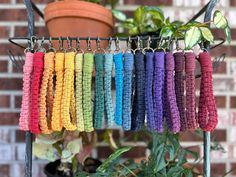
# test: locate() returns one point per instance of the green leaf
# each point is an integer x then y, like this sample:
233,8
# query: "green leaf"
139,15
192,37
188,173
166,32
219,20
66,156
158,157
111,158
228,34
49,139
119,15
175,171
44,151
206,33
74,146
181,157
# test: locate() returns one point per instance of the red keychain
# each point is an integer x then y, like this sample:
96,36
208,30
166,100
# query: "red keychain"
207,111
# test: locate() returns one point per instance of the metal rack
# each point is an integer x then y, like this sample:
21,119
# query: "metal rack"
30,6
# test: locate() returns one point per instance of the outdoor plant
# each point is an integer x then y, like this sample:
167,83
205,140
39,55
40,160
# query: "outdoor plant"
148,19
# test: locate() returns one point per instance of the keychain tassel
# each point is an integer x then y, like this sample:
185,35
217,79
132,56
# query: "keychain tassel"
46,93
36,82
190,91
158,90
127,94
207,111
109,110
87,93
25,105
78,90
149,90
118,60
56,122
179,88
99,92
173,118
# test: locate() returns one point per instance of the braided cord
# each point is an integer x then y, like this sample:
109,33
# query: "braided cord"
138,112
56,122
36,81
207,111
67,91
173,119
158,90
149,90
127,91
87,95
190,91
108,95
99,92
45,114
118,60
179,88
25,105
78,91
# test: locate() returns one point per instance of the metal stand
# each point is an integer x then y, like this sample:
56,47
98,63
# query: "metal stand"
28,136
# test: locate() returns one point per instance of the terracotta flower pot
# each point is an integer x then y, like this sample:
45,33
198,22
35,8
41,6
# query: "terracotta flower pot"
76,18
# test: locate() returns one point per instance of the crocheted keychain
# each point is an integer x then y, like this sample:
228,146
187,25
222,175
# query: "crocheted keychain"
138,111
180,88
99,92
26,97
190,91
46,93
118,60
78,91
68,98
109,110
87,87
38,63
56,121
207,111
158,90
151,123
127,90
170,106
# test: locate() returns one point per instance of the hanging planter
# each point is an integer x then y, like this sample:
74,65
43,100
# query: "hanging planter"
78,18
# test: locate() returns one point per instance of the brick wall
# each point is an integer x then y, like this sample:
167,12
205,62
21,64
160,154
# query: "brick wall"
13,23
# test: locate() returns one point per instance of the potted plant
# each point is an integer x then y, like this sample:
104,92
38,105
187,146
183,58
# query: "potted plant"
79,18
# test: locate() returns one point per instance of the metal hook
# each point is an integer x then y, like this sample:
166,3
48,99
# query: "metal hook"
40,45
78,45
148,45
109,44
69,43
129,42
61,44
117,44
89,44
98,41
50,46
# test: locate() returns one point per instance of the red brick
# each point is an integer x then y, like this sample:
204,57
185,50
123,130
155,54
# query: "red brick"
16,50
233,166
4,31
233,102
100,134
18,101
3,66
23,31
229,50
219,135
5,1
232,2
220,101
218,33
10,84
4,101
20,136
149,2
136,152
9,118
4,170
104,151
218,169
134,136
194,149
221,69
189,136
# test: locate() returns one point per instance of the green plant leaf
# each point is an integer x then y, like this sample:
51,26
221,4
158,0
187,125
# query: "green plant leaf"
192,37
206,33
119,15
49,139
219,20
45,152
228,34
175,171
111,158
181,157
158,157
166,31
188,173
74,146
66,156
139,15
